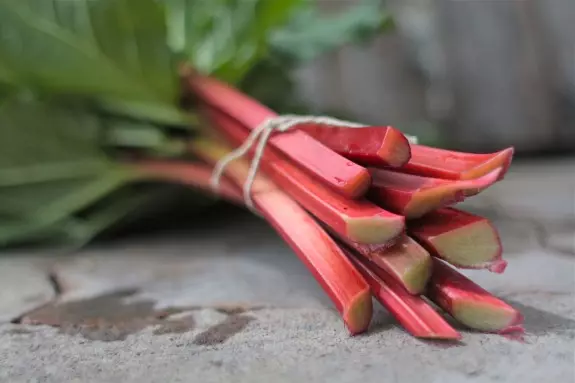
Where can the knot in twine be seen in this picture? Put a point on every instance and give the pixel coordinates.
(259, 138)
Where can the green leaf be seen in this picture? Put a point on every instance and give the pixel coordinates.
(6, 77)
(156, 113)
(143, 137)
(43, 141)
(78, 231)
(225, 38)
(39, 209)
(310, 34)
(102, 48)
(51, 166)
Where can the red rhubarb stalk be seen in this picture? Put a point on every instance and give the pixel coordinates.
(411, 311)
(345, 286)
(369, 146)
(196, 175)
(356, 220)
(413, 196)
(463, 239)
(405, 261)
(447, 164)
(337, 172)
(469, 303)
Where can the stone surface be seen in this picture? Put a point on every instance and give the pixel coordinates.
(292, 345)
(230, 302)
(562, 239)
(24, 285)
(303, 341)
(184, 271)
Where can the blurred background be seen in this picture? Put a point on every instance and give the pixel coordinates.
(474, 75)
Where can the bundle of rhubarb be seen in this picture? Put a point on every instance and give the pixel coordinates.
(92, 109)
(366, 210)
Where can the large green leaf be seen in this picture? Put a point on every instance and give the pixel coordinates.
(104, 48)
(40, 142)
(37, 210)
(225, 38)
(51, 166)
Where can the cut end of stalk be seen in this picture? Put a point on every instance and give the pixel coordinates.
(374, 230)
(357, 186)
(405, 261)
(415, 279)
(469, 303)
(500, 160)
(487, 317)
(358, 315)
(476, 245)
(414, 314)
(395, 148)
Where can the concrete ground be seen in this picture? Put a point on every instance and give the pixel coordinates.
(231, 303)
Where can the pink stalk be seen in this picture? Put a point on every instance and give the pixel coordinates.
(448, 164)
(369, 146)
(411, 311)
(470, 304)
(357, 220)
(335, 171)
(193, 174)
(345, 286)
(405, 261)
(414, 196)
(460, 238)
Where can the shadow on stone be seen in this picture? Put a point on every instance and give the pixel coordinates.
(221, 332)
(381, 320)
(443, 343)
(540, 322)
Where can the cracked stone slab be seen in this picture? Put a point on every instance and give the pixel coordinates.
(24, 285)
(301, 344)
(179, 272)
(110, 293)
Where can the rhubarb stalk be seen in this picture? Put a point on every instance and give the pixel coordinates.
(334, 272)
(337, 172)
(411, 311)
(469, 303)
(196, 175)
(405, 261)
(447, 164)
(356, 220)
(369, 146)
(413, 196)
(460, 238)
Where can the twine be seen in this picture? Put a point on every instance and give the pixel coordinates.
(261, 135)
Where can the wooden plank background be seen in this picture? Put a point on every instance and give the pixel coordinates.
(470, 74)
